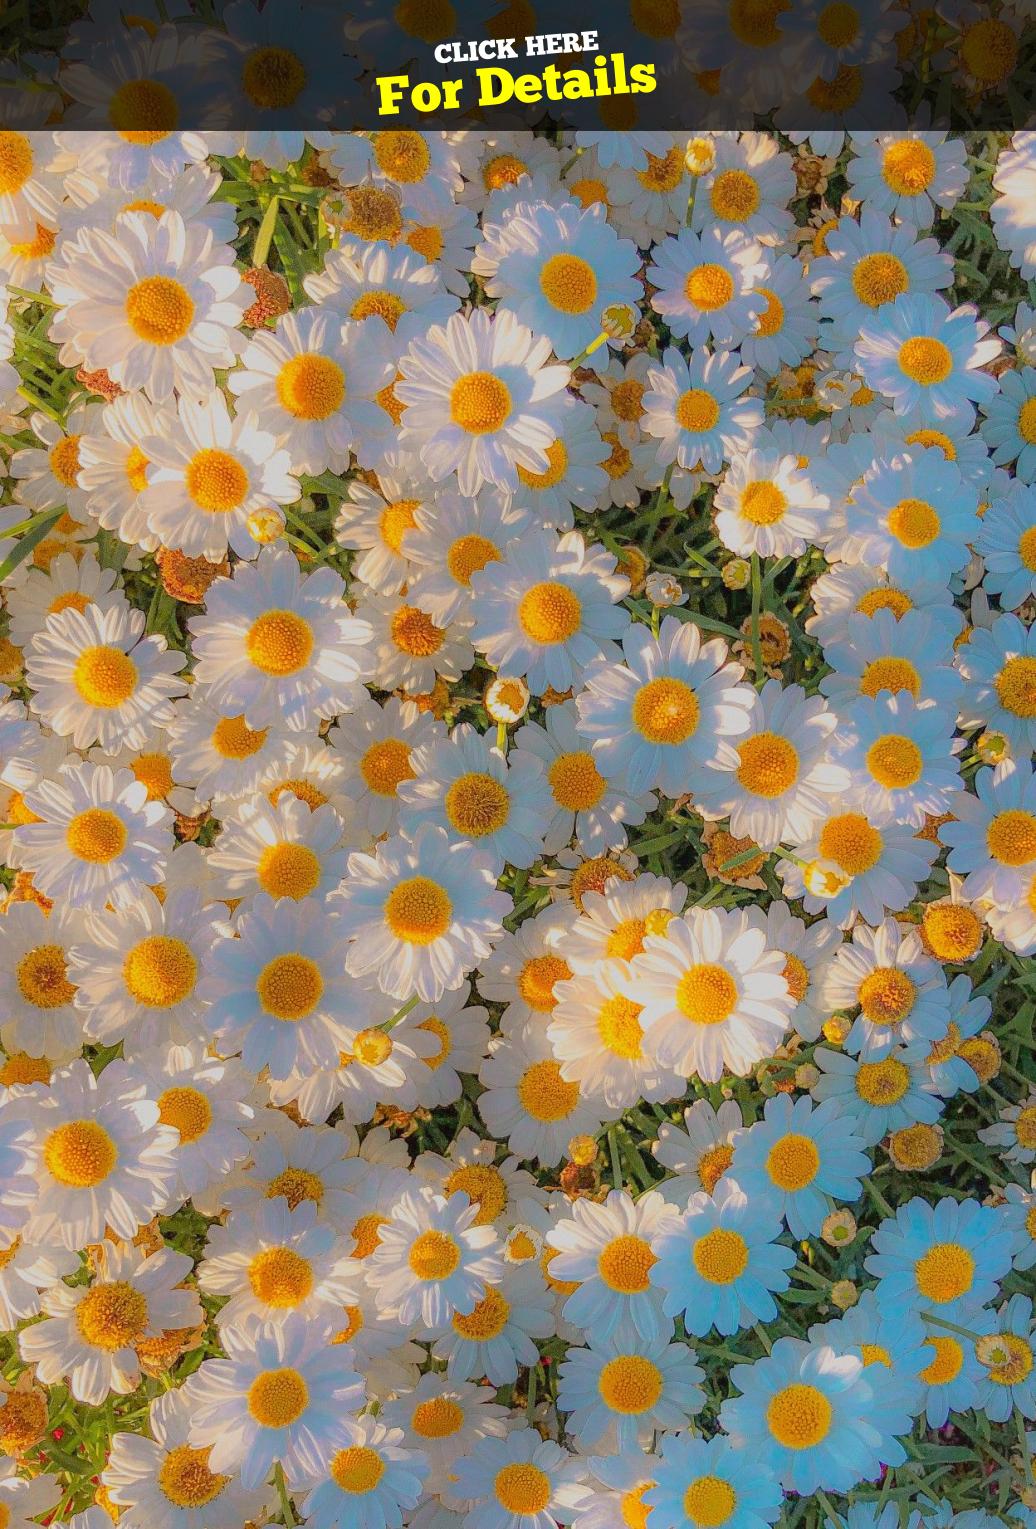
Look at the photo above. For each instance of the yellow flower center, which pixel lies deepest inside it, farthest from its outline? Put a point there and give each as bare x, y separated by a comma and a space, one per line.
762, 503
385, 765
42, 977
311, 387
914, 523
436, 1027
887, 995
15, 162
280, 1277
37, 248
576, 782
544, 1095
1025, 1127
619, 1028
357, 1470
908, 167
666, 711
279, 643
80, 1154
884, 599
618, 461
159, 310
522, 1488
594, 876
735, 196
879, 278
295, 1185
469, 555
630, 1384
925, 360
160, 971
433, 1256
479, 403
402, 156
895, 761
633, 1510
185, 1479
72, 599
278, 1398
799, 1416
64, 460
216, 481
290, 987
367, 1233
588, 190
851, 842
476, 805
989, 51
96, 835
882, 1083
396, 520
769, 765
706, 994
721, 1256
713, 1164
503, 170
549, 613
568, 283
709, 1501
188, 1110
143, 101
111, 1316
709, 287
104, 676
232, 738
697, 412
947, 1364
793, 1162
557, 466
427, 241
537, 978
414, 632
1011, 837
625, 1264
483, 1186
945, 1272
383, 305
1016, 686
771, 319
418, 911
20, 1067
487, 1320
437, 1418
892, 674
273, 78
288, 870
953, 931
839, 24
155, 771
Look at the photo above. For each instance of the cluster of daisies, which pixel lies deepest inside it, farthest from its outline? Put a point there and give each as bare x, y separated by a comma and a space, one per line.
518, 830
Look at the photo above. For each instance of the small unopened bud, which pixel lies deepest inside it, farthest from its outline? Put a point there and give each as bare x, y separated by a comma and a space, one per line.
807, 1076
844, 1294
699, 156
663, 590
839, 1228
737, 573
507, 699
823, 878
582, 1150
265, 526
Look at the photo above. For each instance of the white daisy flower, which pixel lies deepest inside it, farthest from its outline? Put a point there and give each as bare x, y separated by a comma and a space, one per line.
612, 923
1006, 543
851, 866
312, 382
90, 1331
992, 835
698, 1481
47, 477
218, 753
477, 399
1011, 211
776, 779
596, 1033
368, 1485
784, 331
522, 1476
767, 504
31, 182
98, 679
557, 268
26, 1270
278, 646
375, 1066
525, 967
68, 583
880, 1095
94, 837
719, 1265
377, 748
527, 1103
607, 1248
432, 1259
618, 1397
453, 539
420, 915
656, 718
706, 285
858, 589
423, 167
695, 410
445, 1420
278, 990
909, 175
498, 1336
481, 798
901, 992
889, 654
26, 1500
206, 1099
105, 1158
713, 995
923, 356
39, 1008
698, 1156
944, 1254
797, 1158
376, 519
461, 1033
998, 666
137, 971
209, 476
408, 648
287, 850
397, 286
748, 188
165, 1483
282, 1396
914, 515
549, 606
900, 758
574, 478
272, 1261
155, 304
113, 471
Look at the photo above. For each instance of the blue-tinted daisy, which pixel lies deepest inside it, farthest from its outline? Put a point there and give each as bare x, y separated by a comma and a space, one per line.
617, 1395
948, 1254
706, 285
696, 410
923, 356
702, 1483
796, 1157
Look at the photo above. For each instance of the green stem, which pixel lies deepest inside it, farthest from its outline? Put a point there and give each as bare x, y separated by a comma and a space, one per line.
282, 1493
934, 1321
402, 1013
264, 237
757, 596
